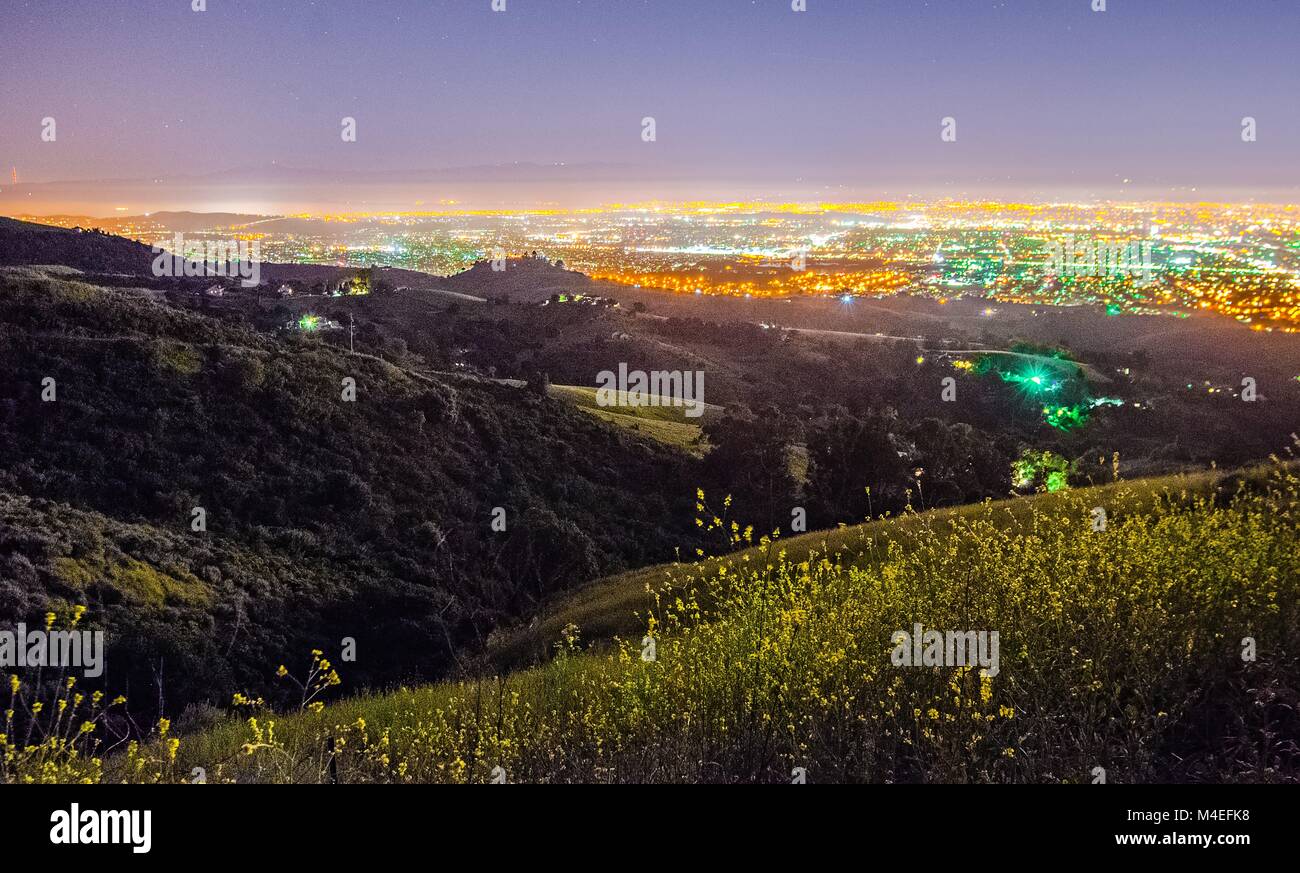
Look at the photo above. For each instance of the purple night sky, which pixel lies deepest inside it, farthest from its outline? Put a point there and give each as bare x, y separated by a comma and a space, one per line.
750, 98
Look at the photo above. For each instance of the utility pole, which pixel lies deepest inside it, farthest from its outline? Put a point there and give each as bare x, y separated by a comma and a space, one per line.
351, 349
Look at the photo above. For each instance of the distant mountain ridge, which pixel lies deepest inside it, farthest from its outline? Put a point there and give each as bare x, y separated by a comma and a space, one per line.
297, 189
183, 221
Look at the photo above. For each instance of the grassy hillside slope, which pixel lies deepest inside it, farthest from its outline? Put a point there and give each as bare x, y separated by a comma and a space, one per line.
666, 423
605, 608
1163, 647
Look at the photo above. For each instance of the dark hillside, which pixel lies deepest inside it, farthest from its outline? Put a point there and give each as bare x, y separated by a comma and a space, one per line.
369, 519
22, 243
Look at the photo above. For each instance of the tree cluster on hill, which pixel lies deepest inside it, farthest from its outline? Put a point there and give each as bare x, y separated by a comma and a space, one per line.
859, 464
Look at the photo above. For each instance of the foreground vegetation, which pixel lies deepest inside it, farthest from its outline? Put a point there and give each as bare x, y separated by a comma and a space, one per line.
1160, 648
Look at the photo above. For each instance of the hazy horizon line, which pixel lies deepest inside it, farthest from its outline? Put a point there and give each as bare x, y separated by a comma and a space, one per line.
739, 205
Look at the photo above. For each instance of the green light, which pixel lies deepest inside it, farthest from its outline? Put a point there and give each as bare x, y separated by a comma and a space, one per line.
1032, 382
1035, 381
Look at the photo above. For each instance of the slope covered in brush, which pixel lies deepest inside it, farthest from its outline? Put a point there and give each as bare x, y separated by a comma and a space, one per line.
372, 518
